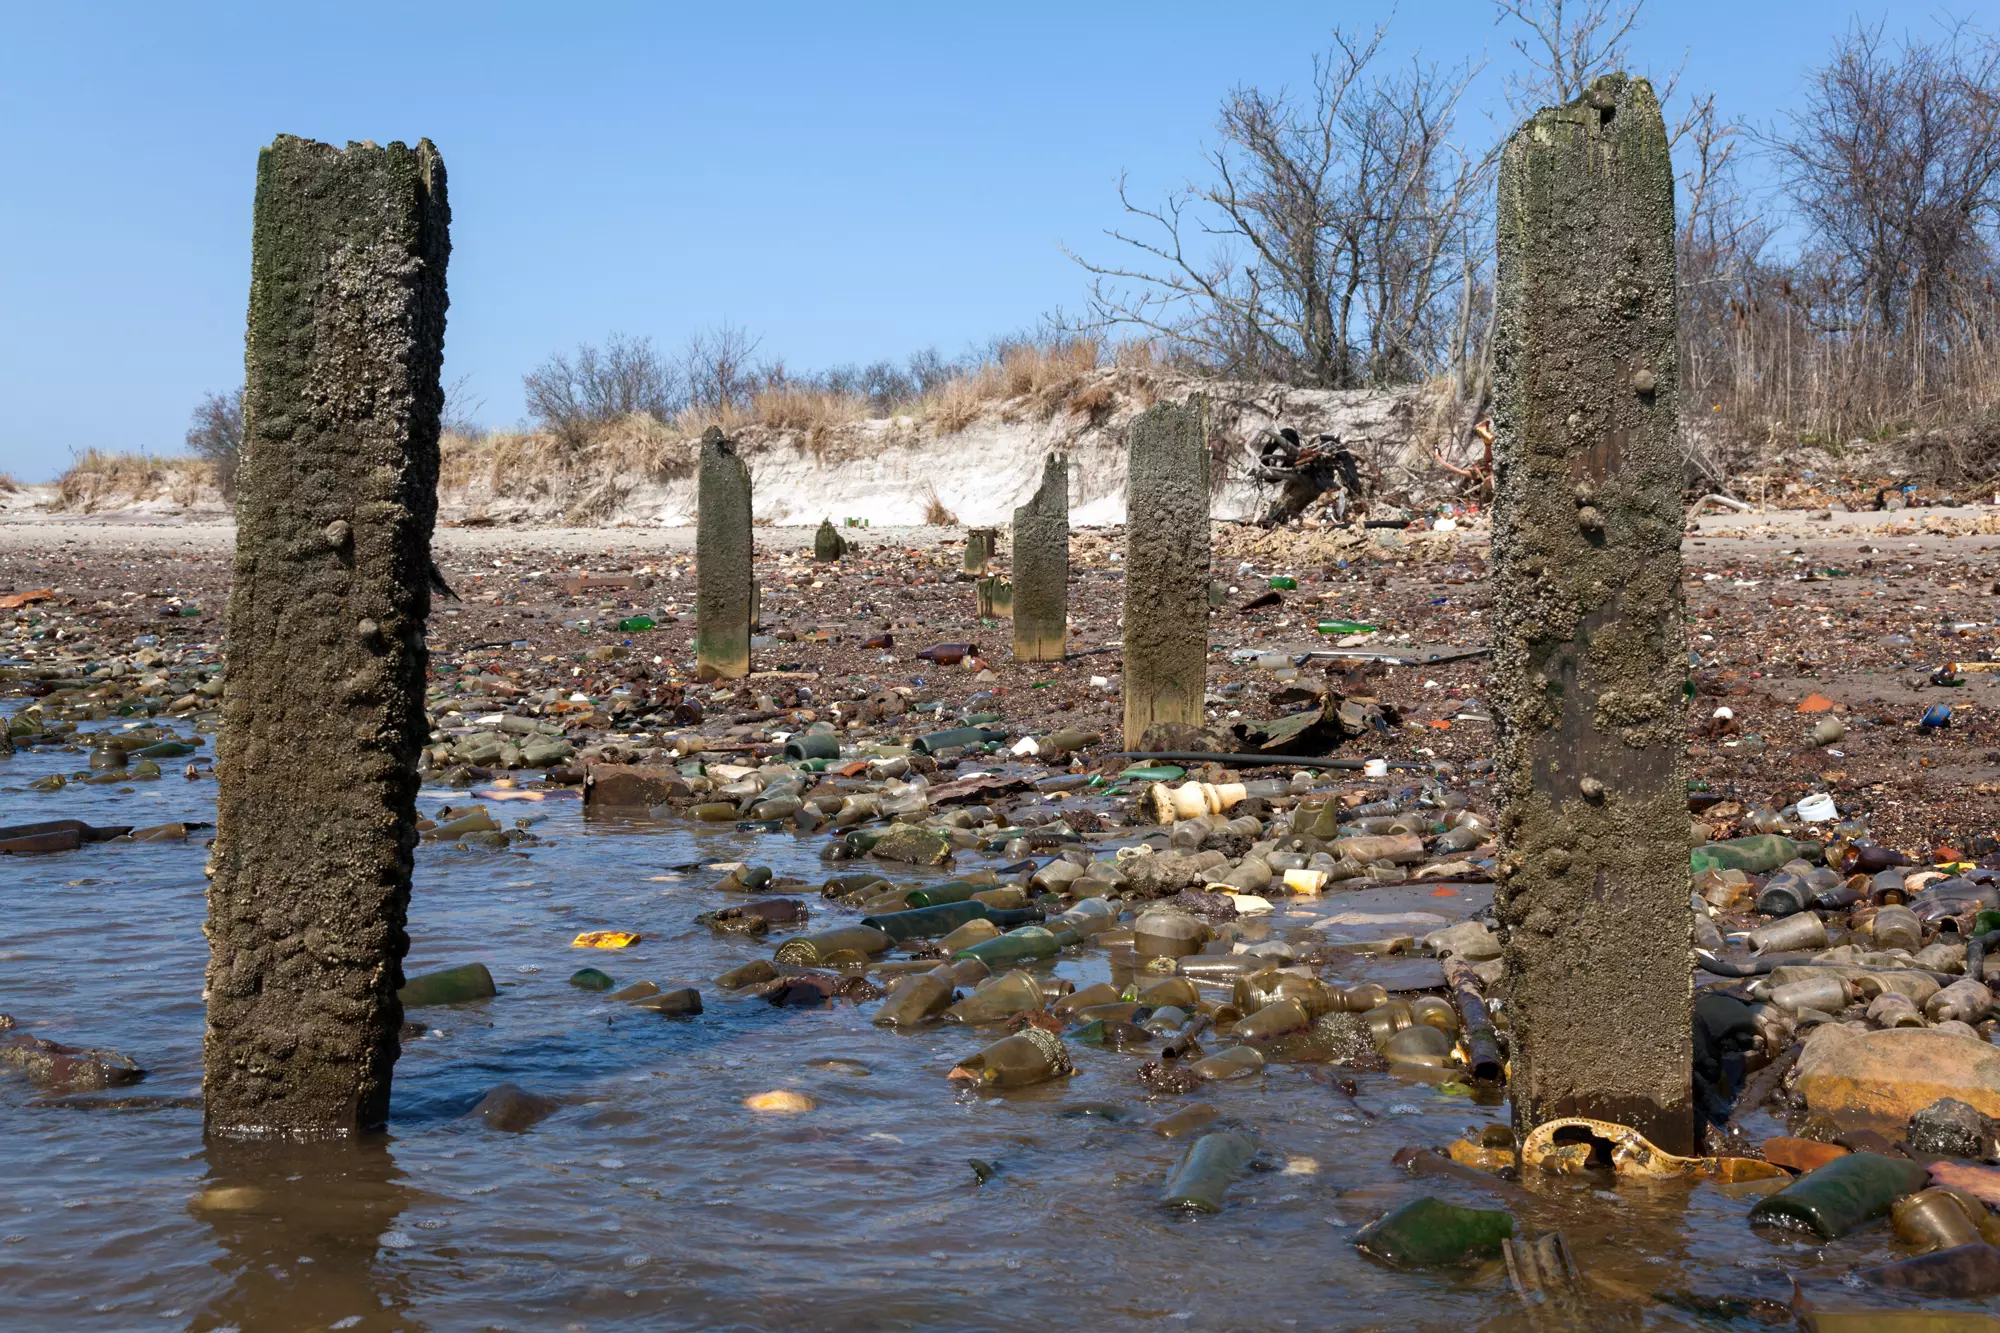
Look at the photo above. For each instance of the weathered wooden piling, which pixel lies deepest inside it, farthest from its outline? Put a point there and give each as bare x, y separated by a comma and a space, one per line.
323, 718
828, 544
1041, 567
1166, 568
725, 591
1588, 645
981, 544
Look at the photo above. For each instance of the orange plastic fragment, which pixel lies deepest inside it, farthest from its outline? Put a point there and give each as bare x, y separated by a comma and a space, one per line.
1815, 703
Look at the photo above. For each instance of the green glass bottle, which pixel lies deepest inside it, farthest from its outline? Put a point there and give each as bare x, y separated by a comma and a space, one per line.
956, 891
1017, 946
453, 985
1205, 1171
1429, 1231
1754, 855
1838, 1197
926, 923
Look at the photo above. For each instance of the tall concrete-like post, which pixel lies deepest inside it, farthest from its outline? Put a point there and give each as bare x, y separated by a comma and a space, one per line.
1588, 646
1041, 567
725, 590
1166, 568
324, 715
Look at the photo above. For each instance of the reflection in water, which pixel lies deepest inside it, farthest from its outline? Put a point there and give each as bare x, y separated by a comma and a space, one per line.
302, 1228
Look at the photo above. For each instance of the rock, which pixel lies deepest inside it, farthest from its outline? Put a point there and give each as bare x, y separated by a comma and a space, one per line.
1879, 1080
59, 1068
628, 785
781, 1102
1950, 1128
514, 1109
1800, 1154
914, 844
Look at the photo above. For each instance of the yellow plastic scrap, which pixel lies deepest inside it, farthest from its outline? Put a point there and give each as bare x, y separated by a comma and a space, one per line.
604, 939
1568, 1146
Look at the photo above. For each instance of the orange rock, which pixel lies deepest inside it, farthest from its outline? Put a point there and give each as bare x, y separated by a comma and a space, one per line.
1800, 1154
1878, 1080
1981, 1182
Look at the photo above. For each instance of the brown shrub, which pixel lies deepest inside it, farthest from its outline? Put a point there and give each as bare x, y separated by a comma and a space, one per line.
935, 512
1094, 399
812, 412
98, 480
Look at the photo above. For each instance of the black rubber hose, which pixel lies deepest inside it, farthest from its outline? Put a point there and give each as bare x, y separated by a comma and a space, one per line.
1975, 953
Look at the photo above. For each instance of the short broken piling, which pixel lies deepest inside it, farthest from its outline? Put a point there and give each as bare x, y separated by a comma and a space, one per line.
1041, 567
324, 714
981, 544
1166, 568
1588, 658
725, 594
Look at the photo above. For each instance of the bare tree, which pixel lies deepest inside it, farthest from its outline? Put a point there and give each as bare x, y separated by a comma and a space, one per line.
1329, 244
461, 409
215, 432
571, 394
1894, 164
715, 366
1568, 43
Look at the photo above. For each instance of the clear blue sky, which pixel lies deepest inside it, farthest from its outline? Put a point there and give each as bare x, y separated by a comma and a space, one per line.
850, 182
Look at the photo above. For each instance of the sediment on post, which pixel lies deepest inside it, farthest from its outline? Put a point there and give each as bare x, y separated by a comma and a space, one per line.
1041, 567
1588, 642
725, 591
324, 715
1166, 568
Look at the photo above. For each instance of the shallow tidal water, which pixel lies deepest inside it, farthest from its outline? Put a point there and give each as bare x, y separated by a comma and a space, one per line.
653, 1199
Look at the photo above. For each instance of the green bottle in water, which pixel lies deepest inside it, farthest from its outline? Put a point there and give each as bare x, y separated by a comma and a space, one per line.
633, 624
1345, 627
